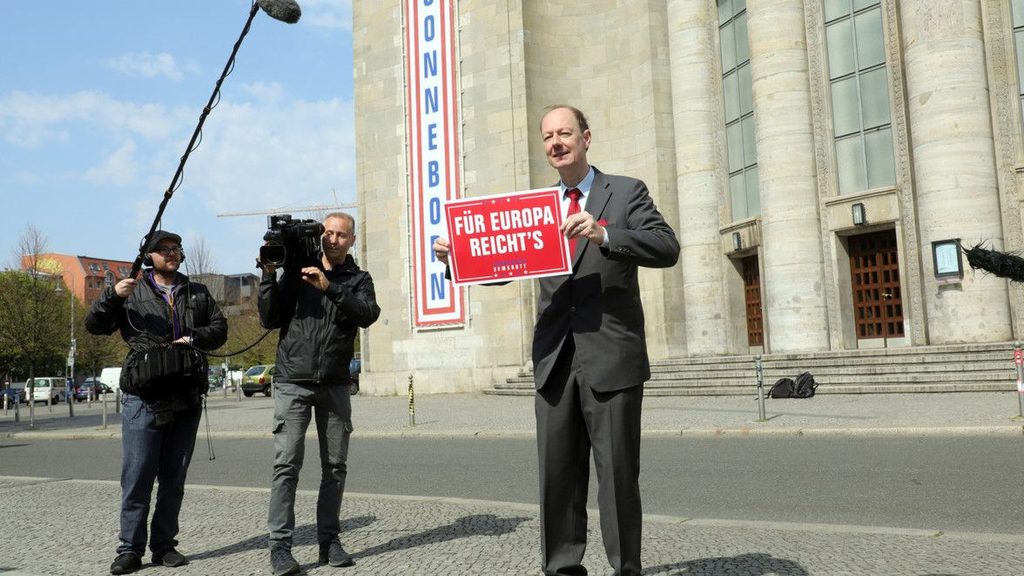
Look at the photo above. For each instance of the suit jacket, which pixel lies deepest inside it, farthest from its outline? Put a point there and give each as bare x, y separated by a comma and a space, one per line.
599, 302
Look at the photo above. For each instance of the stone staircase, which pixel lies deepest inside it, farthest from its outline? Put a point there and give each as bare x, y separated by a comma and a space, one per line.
951, 368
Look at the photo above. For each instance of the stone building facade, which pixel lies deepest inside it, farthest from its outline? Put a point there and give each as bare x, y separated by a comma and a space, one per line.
817, 158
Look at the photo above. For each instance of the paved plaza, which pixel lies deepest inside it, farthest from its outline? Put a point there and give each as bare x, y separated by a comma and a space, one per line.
224, 528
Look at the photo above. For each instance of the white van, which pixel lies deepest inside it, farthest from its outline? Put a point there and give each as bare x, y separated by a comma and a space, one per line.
52, 388
111, 377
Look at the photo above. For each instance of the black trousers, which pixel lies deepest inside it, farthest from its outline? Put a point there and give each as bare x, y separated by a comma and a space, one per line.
572, 421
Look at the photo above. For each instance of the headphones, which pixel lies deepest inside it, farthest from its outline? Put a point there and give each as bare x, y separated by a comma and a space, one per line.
147, 260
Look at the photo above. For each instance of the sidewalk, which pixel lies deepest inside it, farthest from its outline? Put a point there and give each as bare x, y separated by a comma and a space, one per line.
482, 415
46, 522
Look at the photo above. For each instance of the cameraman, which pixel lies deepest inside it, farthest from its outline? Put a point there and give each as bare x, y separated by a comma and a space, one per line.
161, 410
318, 312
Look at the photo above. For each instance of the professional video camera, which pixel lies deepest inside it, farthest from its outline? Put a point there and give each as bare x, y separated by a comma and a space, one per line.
291, 243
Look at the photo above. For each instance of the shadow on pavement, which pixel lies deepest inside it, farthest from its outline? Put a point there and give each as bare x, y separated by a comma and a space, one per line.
742, 565
467, 526
304, 535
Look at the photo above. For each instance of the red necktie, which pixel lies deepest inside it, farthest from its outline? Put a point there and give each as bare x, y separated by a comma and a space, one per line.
574, 208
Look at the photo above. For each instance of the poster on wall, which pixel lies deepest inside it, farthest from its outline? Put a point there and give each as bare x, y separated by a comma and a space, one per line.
506, 237
434, 163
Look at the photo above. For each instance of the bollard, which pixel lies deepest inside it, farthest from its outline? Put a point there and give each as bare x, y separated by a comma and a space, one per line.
1018, 360
104, 411
760, 388
412, 404
17, 415
117, 401
5, 404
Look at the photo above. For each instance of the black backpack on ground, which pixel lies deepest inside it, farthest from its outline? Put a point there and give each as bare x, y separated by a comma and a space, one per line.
783, 388
803, 387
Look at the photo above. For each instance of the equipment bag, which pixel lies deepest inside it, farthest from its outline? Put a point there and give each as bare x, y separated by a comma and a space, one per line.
168, 370
783, 388
805, 385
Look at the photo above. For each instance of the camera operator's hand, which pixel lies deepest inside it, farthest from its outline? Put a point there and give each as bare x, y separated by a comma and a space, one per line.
268, 268
315, 277
183, 340
125, 287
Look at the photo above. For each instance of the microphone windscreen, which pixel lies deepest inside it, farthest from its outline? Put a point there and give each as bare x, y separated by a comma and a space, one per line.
283, 10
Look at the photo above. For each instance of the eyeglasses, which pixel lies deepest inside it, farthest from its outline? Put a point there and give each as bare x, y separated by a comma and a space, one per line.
167, 251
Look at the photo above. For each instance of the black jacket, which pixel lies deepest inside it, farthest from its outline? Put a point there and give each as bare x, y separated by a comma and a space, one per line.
318, 329
146, 320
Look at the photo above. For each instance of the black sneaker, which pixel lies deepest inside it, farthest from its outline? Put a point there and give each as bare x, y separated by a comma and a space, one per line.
126, 563
332, 553
282, 562
170, 558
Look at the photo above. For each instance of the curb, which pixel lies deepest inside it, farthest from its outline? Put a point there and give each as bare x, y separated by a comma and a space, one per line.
1011, 430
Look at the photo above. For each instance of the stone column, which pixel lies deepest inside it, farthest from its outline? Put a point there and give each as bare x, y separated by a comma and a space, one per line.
955, 179
697, 118
796, 317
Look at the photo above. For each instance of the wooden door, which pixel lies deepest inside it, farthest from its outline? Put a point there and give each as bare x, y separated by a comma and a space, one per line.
877, 295
752, 297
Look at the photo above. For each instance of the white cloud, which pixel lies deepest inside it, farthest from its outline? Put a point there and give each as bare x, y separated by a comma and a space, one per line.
276, 151
120, 167
149, 65
330, 14
31, 120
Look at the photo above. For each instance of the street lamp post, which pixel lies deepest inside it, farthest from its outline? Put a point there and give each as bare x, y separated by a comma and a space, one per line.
71, 356
69, 382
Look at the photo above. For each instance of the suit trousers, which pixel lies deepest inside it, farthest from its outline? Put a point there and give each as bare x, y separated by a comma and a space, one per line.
573, 420
330, 405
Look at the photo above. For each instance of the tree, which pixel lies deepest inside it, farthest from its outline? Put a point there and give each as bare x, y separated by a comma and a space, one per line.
200, 260
96, 351
244, 330
34, 328
32, 323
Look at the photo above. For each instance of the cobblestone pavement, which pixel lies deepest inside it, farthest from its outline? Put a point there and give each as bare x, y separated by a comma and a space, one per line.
52, 527
223, 531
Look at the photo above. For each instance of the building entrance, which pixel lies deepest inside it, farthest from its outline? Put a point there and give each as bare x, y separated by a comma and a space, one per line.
752, 299
877, 295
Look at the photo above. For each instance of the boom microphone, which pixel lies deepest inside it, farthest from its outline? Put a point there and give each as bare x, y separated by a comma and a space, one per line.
283, 10
1007, 265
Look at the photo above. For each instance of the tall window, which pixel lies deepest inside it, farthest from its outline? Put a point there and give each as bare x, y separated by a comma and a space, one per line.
860, 94
1018, 37
739, 108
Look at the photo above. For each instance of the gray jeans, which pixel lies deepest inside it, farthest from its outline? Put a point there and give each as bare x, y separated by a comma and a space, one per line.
294, 404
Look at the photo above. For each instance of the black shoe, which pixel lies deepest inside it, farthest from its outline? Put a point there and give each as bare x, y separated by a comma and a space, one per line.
126, 563
332, 553
170, 558
282, 562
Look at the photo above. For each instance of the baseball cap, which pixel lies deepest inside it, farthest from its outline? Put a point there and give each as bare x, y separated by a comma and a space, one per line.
159, 235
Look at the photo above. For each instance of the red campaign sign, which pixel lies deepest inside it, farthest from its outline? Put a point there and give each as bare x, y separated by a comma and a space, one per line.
506, 237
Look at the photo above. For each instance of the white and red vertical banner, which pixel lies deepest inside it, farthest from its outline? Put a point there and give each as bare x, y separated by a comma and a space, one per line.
432, 104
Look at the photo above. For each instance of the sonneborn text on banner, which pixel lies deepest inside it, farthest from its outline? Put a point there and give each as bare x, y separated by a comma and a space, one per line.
506, 237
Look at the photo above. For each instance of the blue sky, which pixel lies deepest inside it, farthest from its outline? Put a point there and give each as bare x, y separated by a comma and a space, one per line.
98, 101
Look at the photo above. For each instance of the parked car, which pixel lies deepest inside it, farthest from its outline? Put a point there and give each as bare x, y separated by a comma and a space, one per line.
214, 378
354, 367
52, 388
15, 394
90, 387
111, 377
258, 378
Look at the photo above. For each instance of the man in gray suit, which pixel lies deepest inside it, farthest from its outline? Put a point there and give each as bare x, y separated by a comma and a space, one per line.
589, 353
